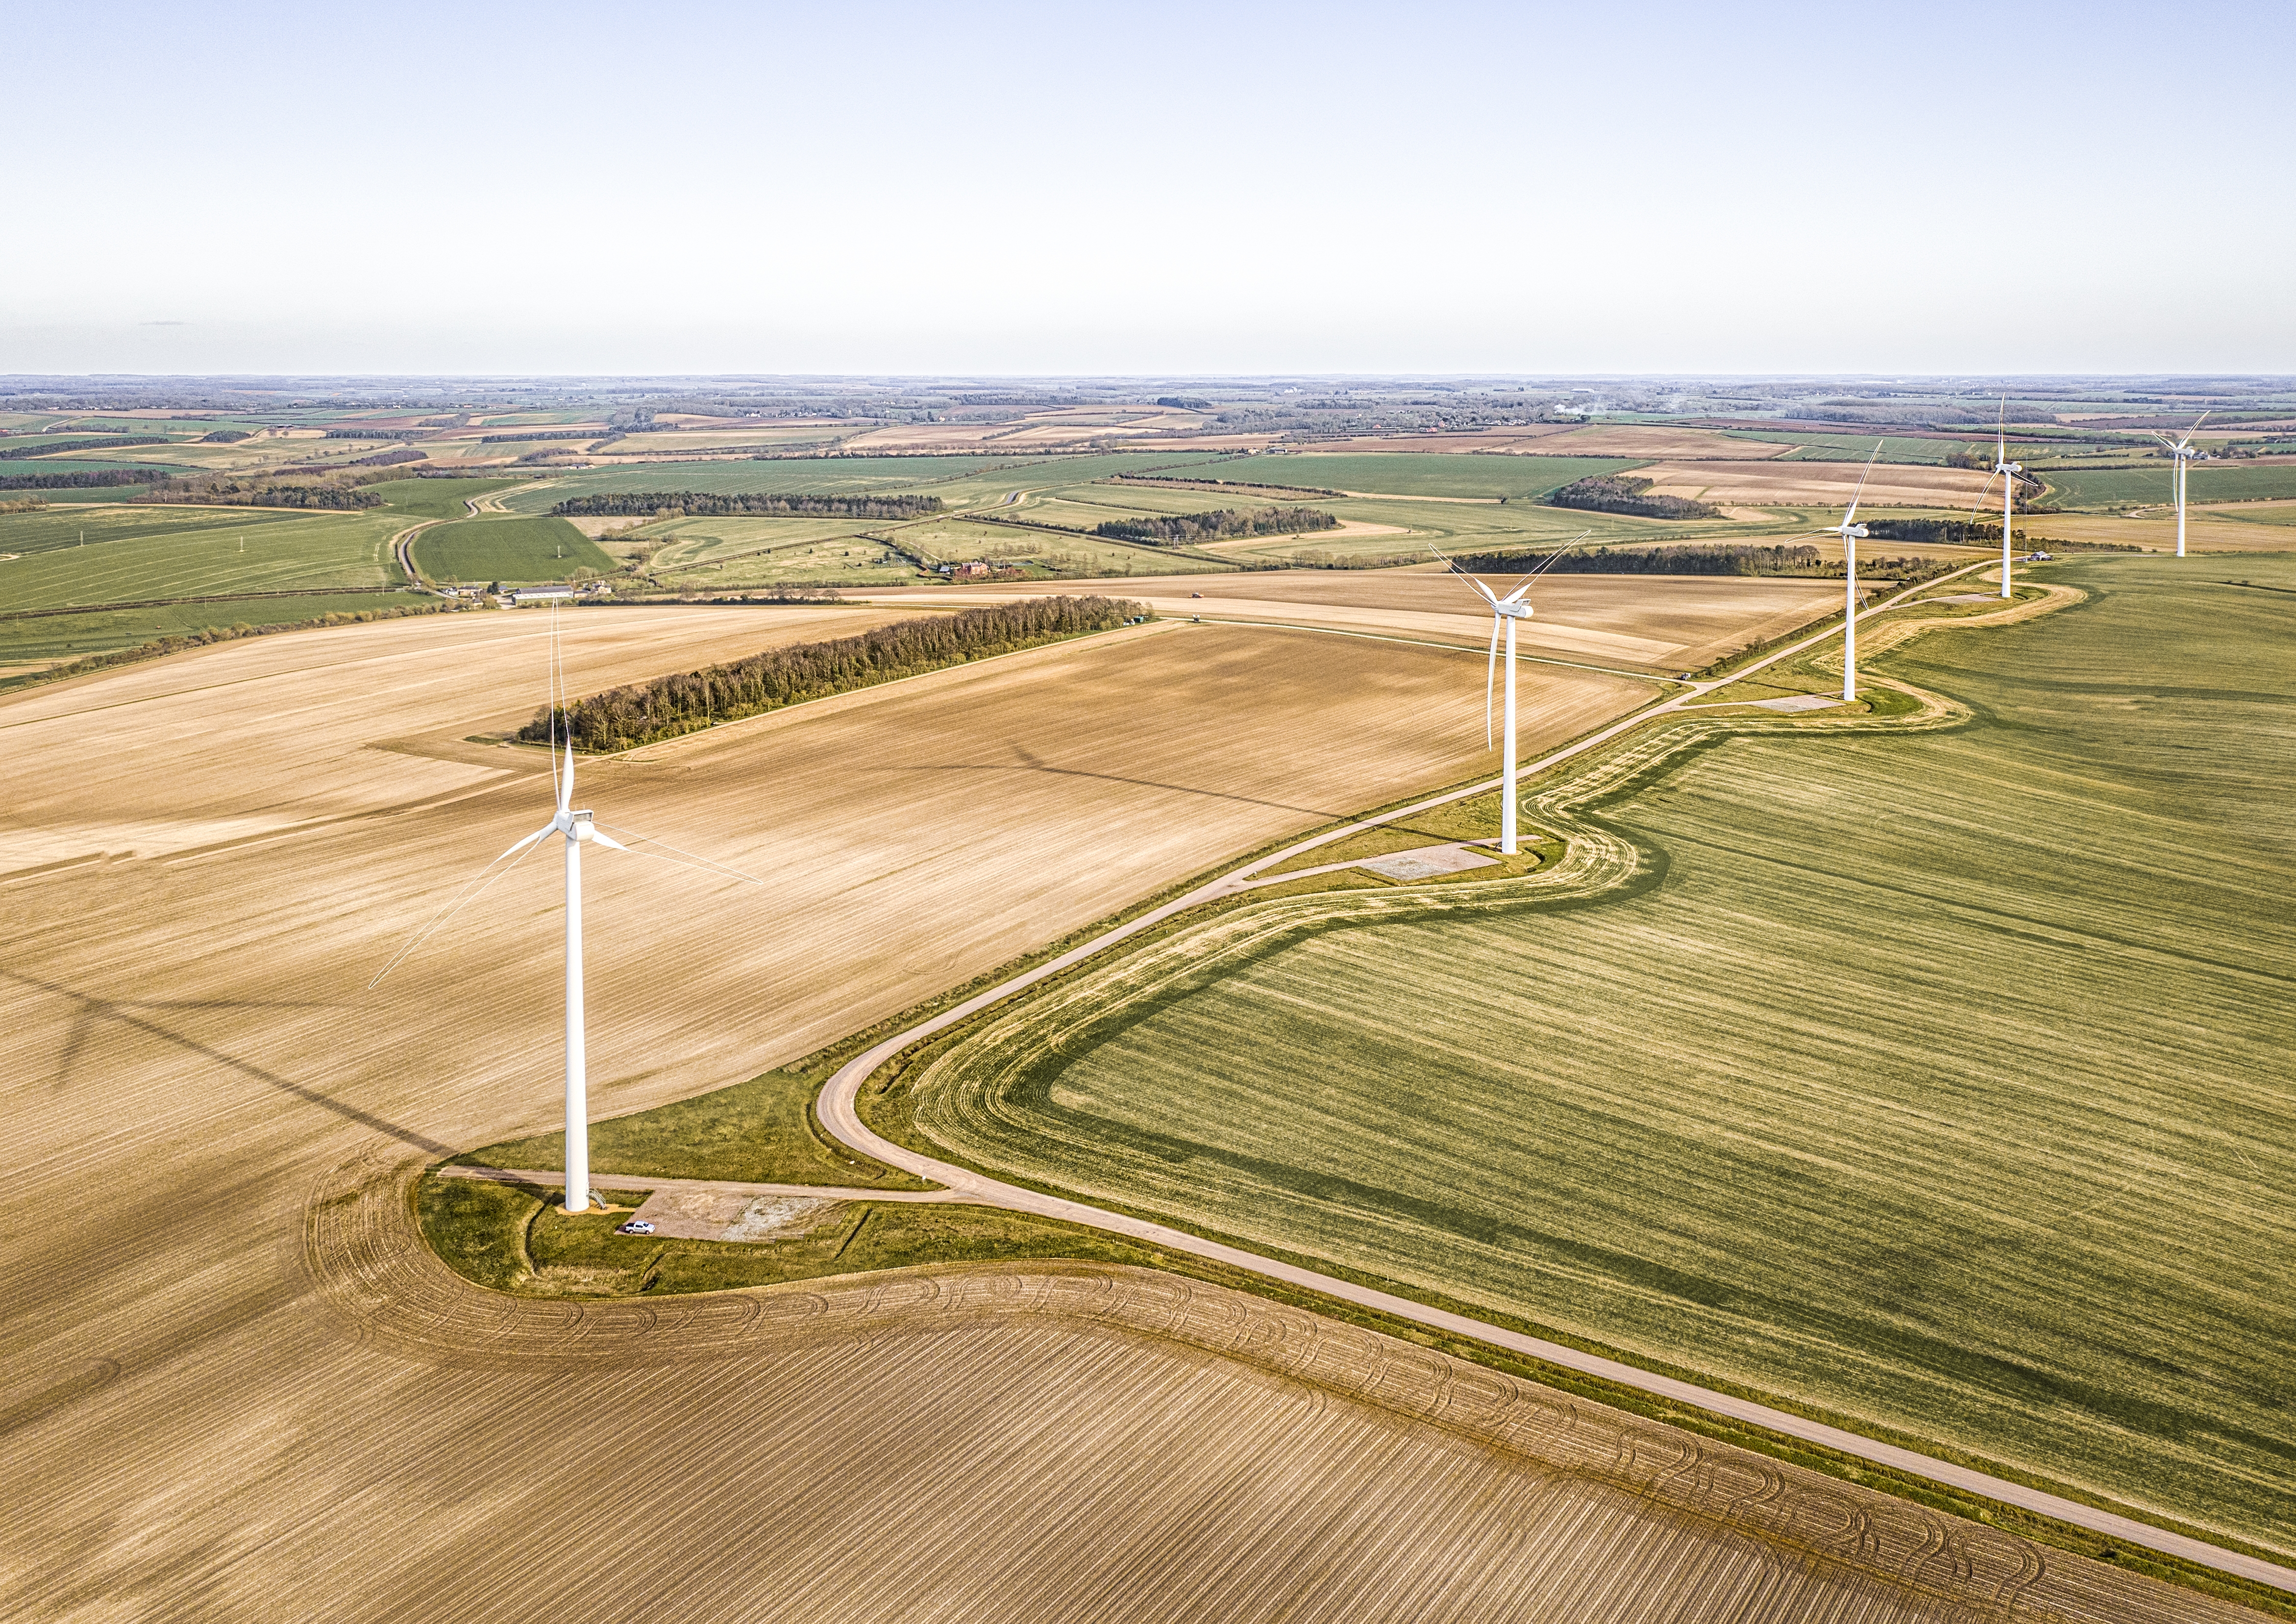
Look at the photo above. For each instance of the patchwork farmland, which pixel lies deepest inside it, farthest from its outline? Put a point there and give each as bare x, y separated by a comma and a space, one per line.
213, 852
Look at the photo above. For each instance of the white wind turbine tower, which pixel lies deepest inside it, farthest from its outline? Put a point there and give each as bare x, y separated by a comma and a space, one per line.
1851, 533
579, 828
1506, 612
2181, 450
2007, 472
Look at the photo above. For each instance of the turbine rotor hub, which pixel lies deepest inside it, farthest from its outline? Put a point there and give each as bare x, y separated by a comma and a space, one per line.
1512, 612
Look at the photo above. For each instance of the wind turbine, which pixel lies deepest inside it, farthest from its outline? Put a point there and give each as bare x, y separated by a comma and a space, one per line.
2181, 450
1506, 612
579, 828
1851, 533
2007, 472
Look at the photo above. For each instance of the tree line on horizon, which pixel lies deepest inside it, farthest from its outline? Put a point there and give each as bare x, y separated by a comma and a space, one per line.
644, 713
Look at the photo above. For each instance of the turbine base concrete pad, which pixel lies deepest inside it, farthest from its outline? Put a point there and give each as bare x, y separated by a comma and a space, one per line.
1799, 702
1426, 862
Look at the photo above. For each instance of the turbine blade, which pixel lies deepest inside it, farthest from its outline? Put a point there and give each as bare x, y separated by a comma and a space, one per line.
1544, 565
1491, 676
469, 893
524, 840
557, 794
638, 845
1850, 518
607, 841
1462, 574
558, 667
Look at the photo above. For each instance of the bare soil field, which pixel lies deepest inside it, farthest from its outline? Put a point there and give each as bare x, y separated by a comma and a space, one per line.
1751, 483
1651, 441
1471, 440
251, 830
2246, 527
1054, 1443
1653, 622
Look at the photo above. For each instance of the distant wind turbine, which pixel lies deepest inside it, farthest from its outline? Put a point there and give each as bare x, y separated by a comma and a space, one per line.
1851, 533
1506, 612
579, 829
2181, 450
2007, 472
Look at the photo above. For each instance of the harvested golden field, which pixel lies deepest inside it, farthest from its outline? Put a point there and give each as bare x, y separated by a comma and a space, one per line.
1517, 439
1752, 483
189, 1050
1652, 440
2246, 527
1049, 1443
1657, 623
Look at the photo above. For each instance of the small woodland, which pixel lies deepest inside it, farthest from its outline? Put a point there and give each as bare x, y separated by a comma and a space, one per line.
642, 713
1180, 530
1622, 493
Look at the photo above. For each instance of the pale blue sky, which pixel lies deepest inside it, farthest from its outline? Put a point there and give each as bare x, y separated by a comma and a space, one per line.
709, 187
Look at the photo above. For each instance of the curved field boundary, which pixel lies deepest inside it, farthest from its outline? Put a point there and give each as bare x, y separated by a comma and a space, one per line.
377, 1278
1597, 860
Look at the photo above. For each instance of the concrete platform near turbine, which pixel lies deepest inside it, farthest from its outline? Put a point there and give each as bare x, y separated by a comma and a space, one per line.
549, 1180
1799, 702
1416, 863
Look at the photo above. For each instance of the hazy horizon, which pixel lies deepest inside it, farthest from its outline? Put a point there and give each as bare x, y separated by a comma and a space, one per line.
1017, 192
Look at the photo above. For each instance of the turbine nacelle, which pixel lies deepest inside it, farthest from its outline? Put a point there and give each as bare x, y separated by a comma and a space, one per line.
1848, 532
1510, 610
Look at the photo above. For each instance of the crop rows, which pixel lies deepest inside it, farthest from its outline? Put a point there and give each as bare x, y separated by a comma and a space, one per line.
1936, 1080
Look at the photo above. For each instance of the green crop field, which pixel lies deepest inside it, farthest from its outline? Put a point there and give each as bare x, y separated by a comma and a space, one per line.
38, 532
2259, 513
961, 481
437, 498
1937, 1080
507, 549
136, 554
737, 551
2109, 488
41, 640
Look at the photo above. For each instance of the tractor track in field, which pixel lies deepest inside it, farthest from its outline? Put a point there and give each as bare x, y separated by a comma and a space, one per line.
838, 1110
383, 1288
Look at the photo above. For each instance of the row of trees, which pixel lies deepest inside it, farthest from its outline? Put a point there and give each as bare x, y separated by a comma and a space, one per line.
17, 450
1620, 493
259, 492
1189, 483
1179, 530
93, 480
1741, 558
621, 719
1934, 532
715, 505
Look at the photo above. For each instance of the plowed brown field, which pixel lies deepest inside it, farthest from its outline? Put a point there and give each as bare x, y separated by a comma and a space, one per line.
1826, 484
1647, 621
238, 1389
